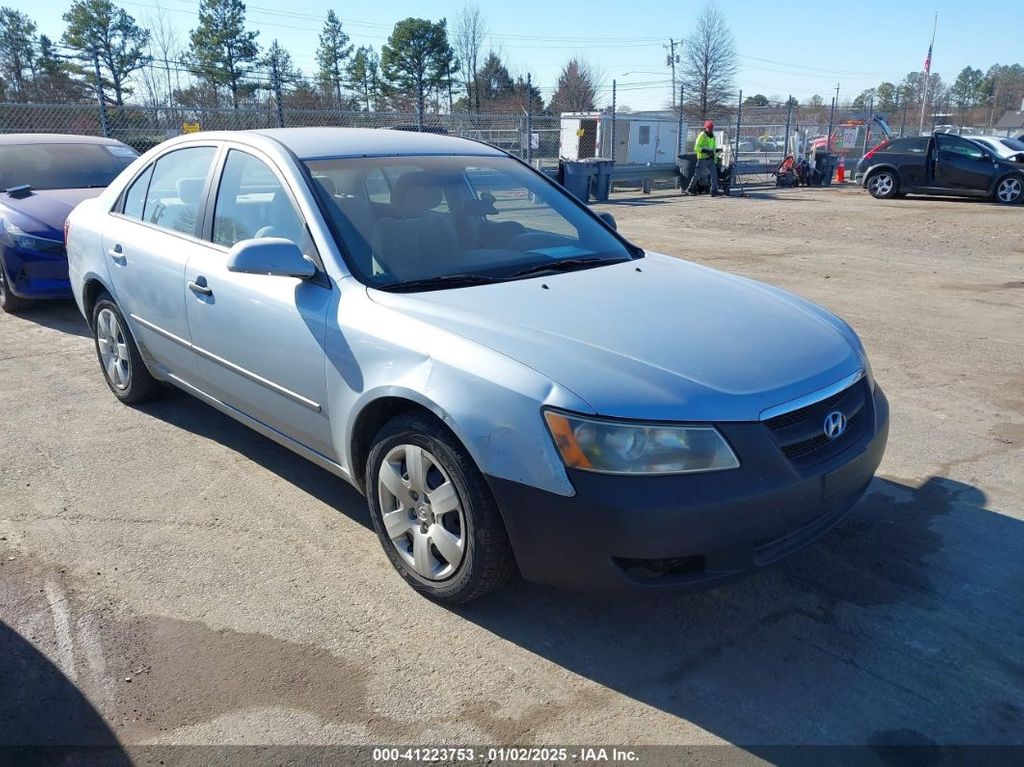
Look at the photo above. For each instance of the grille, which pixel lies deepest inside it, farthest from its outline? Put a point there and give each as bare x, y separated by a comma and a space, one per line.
800, 433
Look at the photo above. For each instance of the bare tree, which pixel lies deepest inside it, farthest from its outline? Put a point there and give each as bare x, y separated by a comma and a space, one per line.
577, 88
165, 51
709, 63
469, 32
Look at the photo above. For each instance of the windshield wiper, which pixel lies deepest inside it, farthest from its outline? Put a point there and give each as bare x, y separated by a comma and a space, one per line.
565, 265
442, 281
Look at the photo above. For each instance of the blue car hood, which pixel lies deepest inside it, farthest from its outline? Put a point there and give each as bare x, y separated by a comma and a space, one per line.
42, 213
657, 338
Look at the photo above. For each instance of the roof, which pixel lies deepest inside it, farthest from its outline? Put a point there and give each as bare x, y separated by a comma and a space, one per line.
6, 139
1012, 118
309, 143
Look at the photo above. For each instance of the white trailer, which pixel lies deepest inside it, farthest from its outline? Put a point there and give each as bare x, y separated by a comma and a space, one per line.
641, 138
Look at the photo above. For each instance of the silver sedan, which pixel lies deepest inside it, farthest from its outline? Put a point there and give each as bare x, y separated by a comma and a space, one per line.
514, 385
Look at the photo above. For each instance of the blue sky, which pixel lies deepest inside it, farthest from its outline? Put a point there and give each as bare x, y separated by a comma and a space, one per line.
800, 48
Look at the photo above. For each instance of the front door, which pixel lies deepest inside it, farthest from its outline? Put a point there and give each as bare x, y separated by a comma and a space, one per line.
259, 339
148, 240
961, 165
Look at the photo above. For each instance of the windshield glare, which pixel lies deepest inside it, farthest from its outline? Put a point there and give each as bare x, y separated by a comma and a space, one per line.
405, 219
62, 166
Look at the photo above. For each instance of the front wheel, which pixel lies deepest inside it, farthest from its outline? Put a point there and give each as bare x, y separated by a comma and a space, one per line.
882, 185
9, 302
433, 512
1010, 190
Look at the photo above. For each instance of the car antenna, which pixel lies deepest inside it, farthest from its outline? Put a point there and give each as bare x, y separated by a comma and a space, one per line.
19, 192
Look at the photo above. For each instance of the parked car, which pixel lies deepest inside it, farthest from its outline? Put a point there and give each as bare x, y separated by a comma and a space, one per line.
942, 164
1010, 148
512, 383
42, 177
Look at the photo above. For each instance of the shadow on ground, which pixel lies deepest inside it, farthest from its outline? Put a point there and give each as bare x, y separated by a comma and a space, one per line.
188, 413
57, 315
901, 627
42, 711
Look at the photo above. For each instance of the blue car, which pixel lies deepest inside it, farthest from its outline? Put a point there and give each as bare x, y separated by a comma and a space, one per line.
42, 178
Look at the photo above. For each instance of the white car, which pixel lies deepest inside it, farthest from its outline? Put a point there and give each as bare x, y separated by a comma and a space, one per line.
1010, 148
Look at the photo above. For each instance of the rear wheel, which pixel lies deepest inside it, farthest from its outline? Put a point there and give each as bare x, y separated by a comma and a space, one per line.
123, 369
9, 302
433, 512
1010, 190
883, 185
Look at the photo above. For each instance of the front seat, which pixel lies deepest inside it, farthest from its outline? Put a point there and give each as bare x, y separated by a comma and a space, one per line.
418, 241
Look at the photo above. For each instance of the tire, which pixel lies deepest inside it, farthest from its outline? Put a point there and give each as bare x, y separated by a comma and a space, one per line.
9, 302
1009, 190
883, 185
471, 532
123, 369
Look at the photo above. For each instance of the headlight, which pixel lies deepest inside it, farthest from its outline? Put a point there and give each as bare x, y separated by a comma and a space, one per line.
617, 447
27, 241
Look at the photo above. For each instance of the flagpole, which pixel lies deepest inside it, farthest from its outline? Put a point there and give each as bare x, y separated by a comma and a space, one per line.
927, 75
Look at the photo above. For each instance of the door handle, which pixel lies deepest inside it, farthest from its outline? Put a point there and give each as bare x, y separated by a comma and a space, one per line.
116, 253
200, 288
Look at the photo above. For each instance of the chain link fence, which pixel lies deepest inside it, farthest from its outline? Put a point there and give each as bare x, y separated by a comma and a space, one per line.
528, 137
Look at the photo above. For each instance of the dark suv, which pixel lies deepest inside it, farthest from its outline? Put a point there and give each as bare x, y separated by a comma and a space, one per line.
941, 164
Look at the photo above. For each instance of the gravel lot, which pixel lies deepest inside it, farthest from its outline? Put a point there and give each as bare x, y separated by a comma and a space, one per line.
197, 584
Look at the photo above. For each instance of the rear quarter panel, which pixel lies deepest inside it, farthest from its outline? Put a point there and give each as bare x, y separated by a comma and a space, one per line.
86, 260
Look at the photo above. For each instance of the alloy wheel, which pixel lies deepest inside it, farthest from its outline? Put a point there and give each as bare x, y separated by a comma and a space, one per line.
881, 185
422, 512
1009, 190
113, 348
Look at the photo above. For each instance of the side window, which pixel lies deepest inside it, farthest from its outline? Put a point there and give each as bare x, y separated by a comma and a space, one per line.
959, 146
176, 184
644, 134
252, 203
135, 197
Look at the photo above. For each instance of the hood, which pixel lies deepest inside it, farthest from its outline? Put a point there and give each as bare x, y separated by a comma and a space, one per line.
657, 338
43, 212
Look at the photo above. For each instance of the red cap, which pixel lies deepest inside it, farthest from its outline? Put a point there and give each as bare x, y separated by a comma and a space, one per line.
709, 125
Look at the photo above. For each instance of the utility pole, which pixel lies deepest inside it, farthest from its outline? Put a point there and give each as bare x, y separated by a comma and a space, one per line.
613, 120
104, 124
679, 128
672, 60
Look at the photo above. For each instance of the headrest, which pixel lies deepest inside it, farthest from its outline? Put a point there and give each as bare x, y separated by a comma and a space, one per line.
416, 193
189, 190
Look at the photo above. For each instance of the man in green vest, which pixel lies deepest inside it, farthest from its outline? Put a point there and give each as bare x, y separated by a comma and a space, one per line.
704, 147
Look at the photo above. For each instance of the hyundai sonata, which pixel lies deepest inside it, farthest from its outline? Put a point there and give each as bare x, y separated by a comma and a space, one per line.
513, 384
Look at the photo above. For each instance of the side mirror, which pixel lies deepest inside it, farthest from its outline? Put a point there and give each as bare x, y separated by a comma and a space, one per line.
609, 219
270, 255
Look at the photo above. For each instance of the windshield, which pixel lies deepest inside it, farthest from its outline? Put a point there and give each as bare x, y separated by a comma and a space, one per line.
411, 221
62, 166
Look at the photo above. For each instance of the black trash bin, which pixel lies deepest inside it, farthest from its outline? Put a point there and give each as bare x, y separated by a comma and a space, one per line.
601, 184
575, 176
687, 165
825, 164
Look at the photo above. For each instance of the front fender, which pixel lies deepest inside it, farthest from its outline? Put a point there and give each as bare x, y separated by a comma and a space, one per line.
491, 402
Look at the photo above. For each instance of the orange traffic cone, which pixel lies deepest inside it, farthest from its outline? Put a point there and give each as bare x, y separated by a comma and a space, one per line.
842, 170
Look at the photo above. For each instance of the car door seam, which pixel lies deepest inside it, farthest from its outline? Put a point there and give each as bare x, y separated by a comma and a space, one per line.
294, 396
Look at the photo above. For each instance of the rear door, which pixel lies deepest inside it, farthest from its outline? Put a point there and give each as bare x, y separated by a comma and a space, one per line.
150, 236
259, 339
910, 156
961, 165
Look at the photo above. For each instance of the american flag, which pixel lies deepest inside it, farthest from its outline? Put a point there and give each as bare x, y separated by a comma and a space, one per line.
928, 61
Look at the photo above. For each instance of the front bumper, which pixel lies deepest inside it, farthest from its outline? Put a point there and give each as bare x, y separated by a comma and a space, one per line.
685, 532
33, 274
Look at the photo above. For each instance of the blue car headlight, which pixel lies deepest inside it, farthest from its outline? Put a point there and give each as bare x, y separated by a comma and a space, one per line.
623, 447
26, 241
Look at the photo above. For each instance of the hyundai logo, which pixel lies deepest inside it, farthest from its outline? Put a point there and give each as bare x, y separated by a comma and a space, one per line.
835, 424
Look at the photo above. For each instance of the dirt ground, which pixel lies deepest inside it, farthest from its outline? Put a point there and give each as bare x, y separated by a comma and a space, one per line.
167, 576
